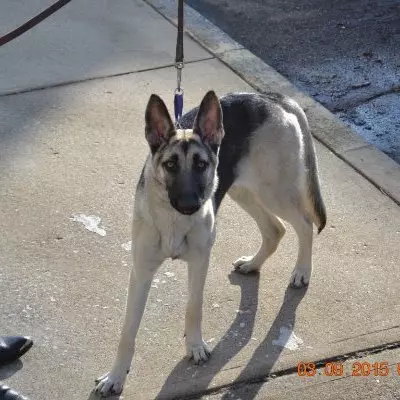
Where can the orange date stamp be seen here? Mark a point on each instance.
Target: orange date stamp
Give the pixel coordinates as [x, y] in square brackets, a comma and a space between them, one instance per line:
[309, 369]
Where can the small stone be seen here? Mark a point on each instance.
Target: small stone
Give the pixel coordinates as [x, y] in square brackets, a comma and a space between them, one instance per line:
[360, 85]
[358, 121]
[243, 311]
[54, 151]
[368, 53]
[127, 246]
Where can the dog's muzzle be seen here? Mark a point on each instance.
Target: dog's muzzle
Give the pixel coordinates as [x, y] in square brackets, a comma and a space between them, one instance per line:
[187, 204]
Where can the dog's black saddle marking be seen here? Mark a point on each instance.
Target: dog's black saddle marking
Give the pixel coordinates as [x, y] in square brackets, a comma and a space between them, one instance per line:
[243, 113]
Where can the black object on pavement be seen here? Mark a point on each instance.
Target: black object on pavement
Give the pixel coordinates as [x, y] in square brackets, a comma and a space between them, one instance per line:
[8, 394]
[13, 347]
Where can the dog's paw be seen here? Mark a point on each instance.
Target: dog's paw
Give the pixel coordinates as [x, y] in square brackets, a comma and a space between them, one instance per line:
[199, 352]
[300, 277]
[110, 384]
[246, 264]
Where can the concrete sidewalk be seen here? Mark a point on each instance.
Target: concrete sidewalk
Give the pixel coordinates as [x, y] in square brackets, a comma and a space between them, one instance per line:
[71, 149]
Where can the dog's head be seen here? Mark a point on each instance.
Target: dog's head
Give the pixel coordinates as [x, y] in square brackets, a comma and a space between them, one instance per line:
[184, 161]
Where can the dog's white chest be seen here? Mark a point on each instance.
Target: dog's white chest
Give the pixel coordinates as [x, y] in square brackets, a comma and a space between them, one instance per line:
[173, 236]
[173, 246]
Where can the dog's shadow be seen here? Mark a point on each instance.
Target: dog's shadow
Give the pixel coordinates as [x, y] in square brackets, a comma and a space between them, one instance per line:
[236, 338]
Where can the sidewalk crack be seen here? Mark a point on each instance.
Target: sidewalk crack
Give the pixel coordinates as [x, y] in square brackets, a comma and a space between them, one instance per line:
[95, 78]
[293, 370]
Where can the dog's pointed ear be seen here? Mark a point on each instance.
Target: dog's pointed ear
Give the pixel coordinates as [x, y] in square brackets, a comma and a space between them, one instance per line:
[159, 126]
[208, 124]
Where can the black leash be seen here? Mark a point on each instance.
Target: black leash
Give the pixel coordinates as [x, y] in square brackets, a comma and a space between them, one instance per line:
[178, 98]
[33, 22]
[179, 64]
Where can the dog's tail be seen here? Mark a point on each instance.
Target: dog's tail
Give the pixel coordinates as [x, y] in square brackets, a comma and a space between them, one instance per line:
[314, 191]
[310, 159]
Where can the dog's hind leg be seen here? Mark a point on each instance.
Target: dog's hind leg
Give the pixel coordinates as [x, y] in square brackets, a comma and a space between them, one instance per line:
[302, 224]
[271, 229]
[291, 209]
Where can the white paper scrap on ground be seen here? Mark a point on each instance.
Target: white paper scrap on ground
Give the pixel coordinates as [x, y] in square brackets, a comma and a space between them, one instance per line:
[91, 223]
[288, 339]
[127, 246]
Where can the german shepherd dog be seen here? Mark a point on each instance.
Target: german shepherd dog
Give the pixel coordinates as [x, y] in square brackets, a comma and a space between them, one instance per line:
[255, 147]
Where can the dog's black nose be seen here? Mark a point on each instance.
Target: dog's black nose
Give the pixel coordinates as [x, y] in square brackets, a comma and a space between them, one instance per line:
[187, 204]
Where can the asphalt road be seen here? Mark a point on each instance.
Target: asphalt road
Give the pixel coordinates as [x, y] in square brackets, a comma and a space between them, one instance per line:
[346, 54]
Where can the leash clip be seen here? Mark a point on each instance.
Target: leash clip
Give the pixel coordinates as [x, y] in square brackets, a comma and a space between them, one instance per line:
[178, 97]
[179, 66]
[178, 106]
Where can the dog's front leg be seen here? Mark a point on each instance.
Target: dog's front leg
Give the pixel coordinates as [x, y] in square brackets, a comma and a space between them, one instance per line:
[197, 273]
[145, 265]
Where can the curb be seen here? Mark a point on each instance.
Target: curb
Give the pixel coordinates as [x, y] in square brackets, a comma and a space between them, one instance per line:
[366, 159]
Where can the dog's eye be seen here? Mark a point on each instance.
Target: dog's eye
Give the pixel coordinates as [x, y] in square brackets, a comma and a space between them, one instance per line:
[170, 166]
[201, 165]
